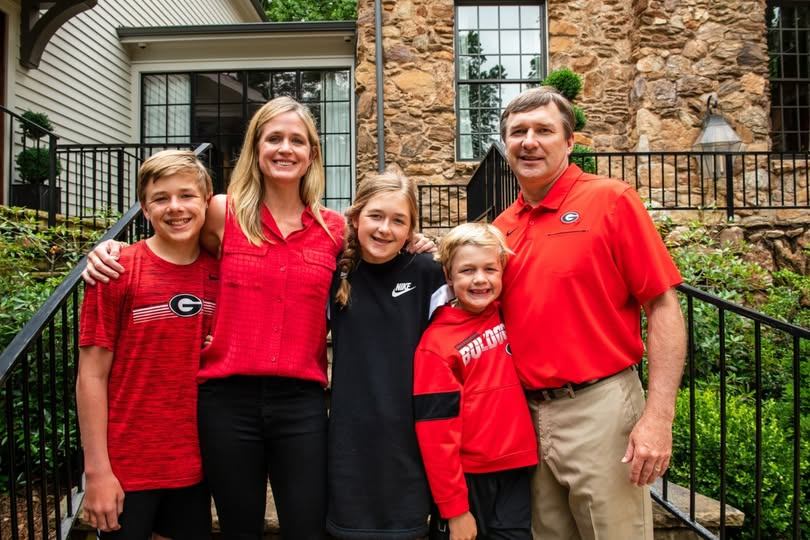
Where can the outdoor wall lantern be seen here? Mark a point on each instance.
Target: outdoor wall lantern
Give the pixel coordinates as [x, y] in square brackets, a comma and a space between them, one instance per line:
[717, 135]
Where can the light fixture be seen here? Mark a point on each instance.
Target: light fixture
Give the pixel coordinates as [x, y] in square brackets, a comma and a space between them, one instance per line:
[716, 136]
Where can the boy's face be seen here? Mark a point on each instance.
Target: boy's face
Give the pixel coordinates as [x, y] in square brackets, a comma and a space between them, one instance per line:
[176, 205]
[475, 277]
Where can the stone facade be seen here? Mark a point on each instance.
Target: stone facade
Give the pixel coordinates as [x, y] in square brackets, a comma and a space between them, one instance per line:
[647, 65]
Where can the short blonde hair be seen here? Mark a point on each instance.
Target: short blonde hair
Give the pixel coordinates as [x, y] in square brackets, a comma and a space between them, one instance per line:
[477, 234]
[168, 162]
[246, 189]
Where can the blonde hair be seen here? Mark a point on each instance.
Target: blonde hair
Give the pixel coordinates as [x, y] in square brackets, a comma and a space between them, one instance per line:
[482, 235]
[372, 186]
[246, 190]
[168, 162]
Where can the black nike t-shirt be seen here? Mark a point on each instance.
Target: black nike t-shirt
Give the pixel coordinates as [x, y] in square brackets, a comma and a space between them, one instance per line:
[377, 484]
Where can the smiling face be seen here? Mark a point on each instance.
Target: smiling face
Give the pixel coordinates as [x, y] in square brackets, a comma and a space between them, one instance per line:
[537, 149]
[284, 150]
[175, 205]
[383, 226]
[475, 276]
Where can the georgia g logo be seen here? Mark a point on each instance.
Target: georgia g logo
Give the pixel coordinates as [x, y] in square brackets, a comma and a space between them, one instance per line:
[569, 217]
[185, 305]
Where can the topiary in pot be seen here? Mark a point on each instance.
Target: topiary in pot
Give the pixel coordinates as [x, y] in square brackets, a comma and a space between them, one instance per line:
[43, 124]
[33, 164]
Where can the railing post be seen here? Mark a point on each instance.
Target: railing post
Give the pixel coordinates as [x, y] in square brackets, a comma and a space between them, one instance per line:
[52, 199]
[121, 180]
[729, 158]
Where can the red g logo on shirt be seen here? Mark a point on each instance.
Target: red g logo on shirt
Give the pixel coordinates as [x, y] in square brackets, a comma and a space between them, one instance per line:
[185, 305]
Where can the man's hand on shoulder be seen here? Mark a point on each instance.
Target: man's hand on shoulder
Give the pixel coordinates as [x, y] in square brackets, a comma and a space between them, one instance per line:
[102, 263]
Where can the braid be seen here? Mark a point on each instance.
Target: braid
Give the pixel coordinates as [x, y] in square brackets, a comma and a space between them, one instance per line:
[346, 264]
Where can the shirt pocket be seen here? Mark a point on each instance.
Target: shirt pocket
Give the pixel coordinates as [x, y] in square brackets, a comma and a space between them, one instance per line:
[568, 252]
[318, 267]
[243, 266]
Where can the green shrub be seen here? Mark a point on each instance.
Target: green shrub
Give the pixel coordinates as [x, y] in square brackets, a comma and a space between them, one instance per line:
[33, 164]
[565, 81]
[40, 119]
[777, 460]
[580, 119]
[581, 155]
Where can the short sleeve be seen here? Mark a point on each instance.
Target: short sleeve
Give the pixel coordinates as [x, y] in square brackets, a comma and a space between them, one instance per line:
[100, 319]
[640, 254]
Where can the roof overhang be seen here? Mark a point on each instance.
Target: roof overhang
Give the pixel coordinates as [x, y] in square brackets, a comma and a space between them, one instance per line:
[239, 41]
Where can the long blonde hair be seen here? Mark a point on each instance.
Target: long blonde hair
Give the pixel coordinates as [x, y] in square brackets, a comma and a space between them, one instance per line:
[246, 190]
[387, 182]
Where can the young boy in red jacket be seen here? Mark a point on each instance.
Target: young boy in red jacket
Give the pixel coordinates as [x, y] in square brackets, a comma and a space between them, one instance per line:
[472, 421]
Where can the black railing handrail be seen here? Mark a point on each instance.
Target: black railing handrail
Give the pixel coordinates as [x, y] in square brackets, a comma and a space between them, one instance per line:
[26, 336]
[29, 122]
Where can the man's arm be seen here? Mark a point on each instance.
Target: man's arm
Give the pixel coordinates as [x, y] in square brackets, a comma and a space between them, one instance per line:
[650, 444]
[104, 498]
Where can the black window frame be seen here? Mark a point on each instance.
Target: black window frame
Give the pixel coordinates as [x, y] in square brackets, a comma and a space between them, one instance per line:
[542, 67]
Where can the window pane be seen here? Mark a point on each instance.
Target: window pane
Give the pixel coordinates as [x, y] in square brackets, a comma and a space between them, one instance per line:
[530, 42]
[790, 64]
[463, 95]
[463, 42]
[530, 16]
[488, 16]
[465, 150]
[467, 17]
[338, 85]
[179, 89]
[205, 121]
[230, 119]
[206, 88]
[490, 68]
[154, 90]
[510, 17]
[464, 125]
[178, 120]
[230, 88]
[258, 86]
[508, 93]
[510, 42]
[489, 43]
[310, 86]
[337, 117]
[155, 124]
[511, 67]
[284, 84]
[530, 67]
[336, 150]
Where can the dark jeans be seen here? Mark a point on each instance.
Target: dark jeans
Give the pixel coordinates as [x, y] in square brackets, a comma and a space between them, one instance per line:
[252, 427]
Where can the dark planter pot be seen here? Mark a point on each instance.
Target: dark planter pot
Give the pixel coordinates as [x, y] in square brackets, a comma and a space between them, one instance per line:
[36, 196]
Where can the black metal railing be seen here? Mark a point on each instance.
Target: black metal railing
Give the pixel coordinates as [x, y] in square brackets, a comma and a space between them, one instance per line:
[40, 457]
[30, 153]
[732, 350]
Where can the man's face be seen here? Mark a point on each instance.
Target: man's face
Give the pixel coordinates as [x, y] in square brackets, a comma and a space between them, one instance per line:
[537, 148]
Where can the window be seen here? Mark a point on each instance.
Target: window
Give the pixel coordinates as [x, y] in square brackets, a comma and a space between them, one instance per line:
[500, 51]
[215, 107]
[789, 67]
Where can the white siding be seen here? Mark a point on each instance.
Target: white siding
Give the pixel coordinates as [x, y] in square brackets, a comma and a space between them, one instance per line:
[84, 78]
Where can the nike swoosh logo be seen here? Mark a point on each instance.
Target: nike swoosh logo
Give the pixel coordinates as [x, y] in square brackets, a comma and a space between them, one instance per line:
[396, 293]
[510, 232]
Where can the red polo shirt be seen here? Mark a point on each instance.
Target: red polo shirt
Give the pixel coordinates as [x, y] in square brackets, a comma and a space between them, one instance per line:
[586, 258]
[272, 316]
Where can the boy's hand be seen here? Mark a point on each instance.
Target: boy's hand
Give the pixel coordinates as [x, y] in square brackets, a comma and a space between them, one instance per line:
[419, 243]
[103, 501]
[462, 527]
[102, 263]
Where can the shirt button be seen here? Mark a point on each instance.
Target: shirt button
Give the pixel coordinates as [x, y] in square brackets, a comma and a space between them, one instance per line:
[531, 222]
[282, 268]
[279, 300]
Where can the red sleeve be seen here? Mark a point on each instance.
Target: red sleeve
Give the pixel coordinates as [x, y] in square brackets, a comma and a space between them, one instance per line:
[638, 250]
[437, 402]
[100, 320]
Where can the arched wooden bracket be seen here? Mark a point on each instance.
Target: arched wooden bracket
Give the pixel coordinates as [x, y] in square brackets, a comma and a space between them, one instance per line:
[37, 27]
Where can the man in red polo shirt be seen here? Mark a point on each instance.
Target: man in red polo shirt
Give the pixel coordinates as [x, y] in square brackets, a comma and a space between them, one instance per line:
[588, 259]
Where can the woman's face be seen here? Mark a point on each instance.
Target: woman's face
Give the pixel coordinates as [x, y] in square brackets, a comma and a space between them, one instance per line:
[284, 151]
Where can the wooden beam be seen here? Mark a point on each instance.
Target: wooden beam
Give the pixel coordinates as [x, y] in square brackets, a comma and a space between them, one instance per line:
[37, 28]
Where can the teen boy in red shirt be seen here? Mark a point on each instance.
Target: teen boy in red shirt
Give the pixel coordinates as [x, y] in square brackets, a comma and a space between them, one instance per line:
[472, 420]
[140, 344]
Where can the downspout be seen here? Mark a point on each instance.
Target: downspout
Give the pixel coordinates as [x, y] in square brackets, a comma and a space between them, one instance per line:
[379, 61]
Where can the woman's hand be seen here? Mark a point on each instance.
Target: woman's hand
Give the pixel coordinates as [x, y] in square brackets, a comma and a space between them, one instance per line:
[102, 263]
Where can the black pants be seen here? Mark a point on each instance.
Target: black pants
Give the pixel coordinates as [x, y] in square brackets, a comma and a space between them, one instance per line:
[179, 514]
[500, 503]
[252, 427]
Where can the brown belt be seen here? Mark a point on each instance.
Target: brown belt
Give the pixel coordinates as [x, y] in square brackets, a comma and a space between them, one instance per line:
[568, 389]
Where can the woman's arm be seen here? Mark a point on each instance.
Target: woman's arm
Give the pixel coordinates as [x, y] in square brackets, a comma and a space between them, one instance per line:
[214, 226]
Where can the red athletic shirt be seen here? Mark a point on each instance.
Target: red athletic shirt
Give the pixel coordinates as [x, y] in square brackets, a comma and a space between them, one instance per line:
[471, 414]
[154, 319]
[586, 258]
[271, 316]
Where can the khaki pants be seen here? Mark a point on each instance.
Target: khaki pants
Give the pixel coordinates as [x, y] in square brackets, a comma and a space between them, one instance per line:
[581, 489]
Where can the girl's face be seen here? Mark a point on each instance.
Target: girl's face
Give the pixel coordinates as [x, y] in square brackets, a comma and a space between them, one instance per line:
[383, 226]
[284, 151]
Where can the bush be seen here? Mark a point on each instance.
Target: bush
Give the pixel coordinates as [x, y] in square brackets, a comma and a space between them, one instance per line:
[40, 119]
[34, 164]
[777, 460]
[580, 155]
[580, 119]
[565, 81]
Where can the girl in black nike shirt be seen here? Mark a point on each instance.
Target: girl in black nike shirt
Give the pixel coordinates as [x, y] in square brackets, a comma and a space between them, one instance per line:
[381, 301]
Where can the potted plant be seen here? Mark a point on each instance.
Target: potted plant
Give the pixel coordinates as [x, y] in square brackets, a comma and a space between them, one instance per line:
[33, 166]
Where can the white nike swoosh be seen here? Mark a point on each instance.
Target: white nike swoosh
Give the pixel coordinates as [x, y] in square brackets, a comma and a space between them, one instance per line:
[400, 293]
